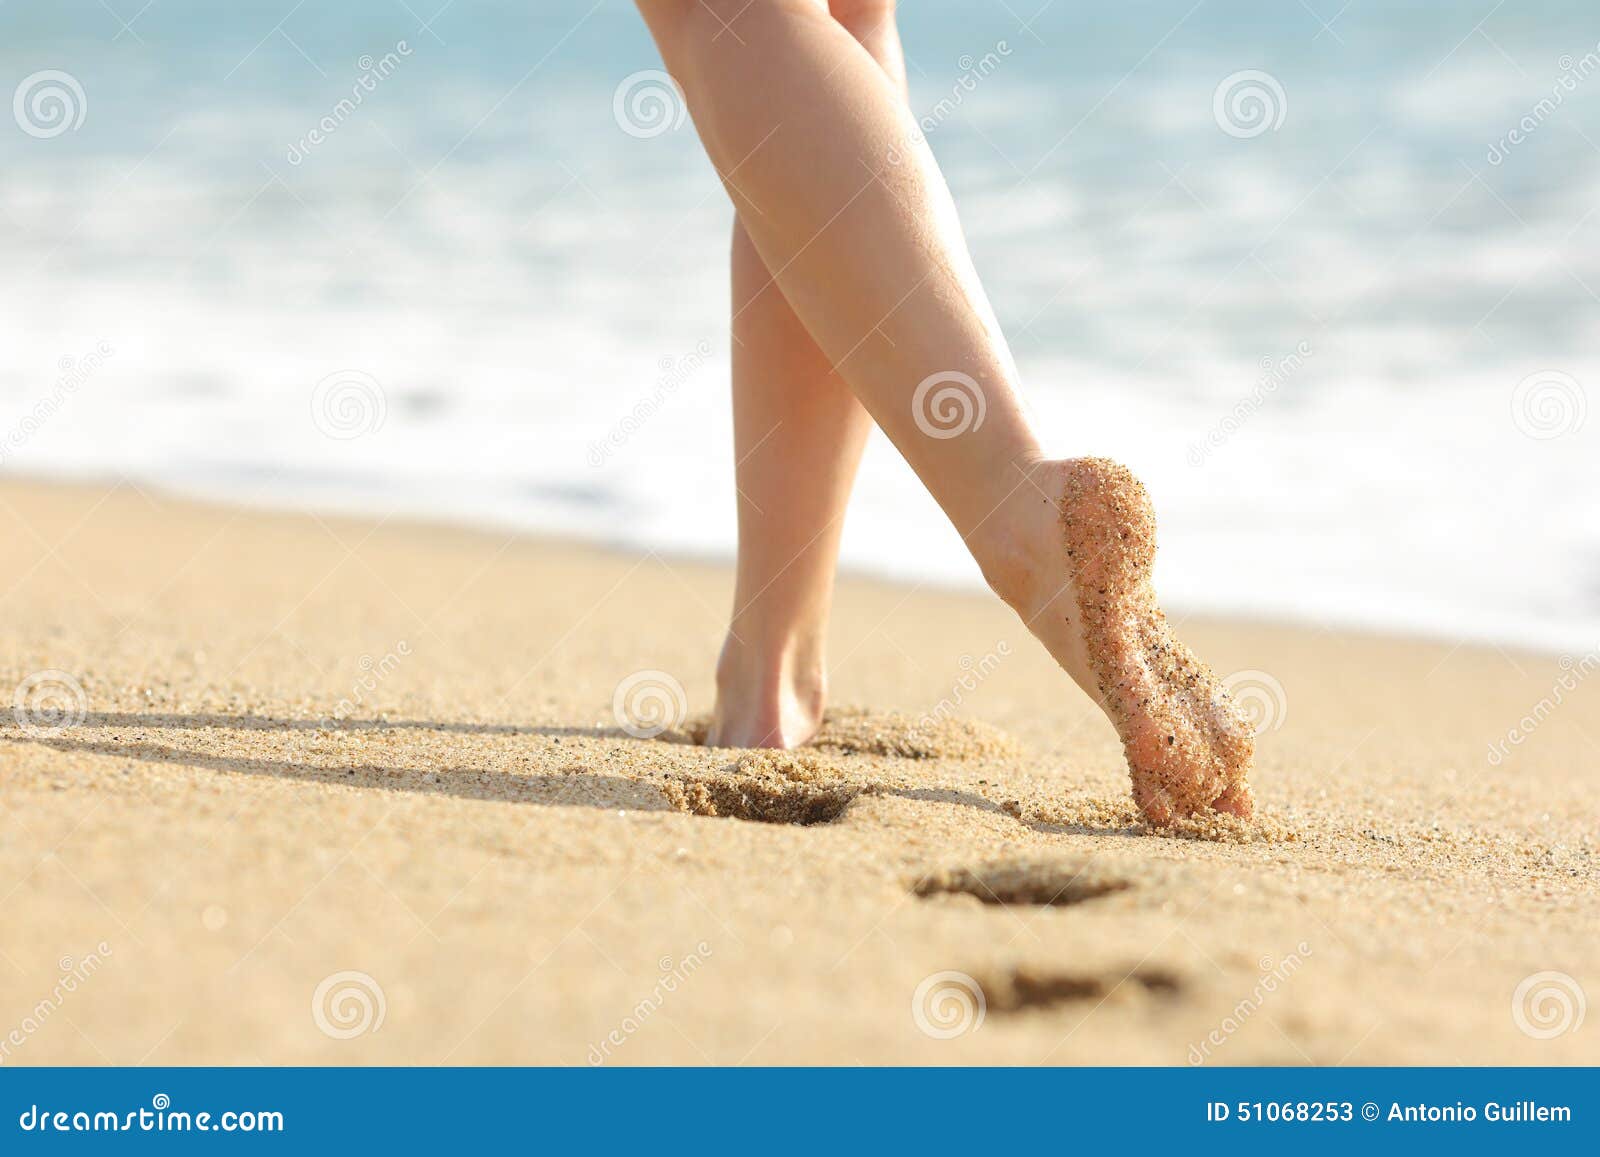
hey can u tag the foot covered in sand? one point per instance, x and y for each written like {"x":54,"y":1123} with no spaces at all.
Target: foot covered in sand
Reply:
{"x":1073,"y":557}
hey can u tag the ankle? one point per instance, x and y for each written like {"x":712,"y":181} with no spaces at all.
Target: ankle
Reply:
{"x":784,"y":669}
{"x":1019,"y":545}
{"x":768,"y":696}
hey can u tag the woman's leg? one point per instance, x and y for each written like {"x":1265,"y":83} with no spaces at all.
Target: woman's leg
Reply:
{"x":798,"y":433}
{"x":845,"y":205}
{"x":804,"y":127}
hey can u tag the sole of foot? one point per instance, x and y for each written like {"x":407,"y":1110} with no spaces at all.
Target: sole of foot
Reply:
{"x":1076,"y":565}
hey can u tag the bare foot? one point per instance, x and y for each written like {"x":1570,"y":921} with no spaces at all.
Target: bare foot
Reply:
{"x":1072,"y":554}
{"x":767,"y":696}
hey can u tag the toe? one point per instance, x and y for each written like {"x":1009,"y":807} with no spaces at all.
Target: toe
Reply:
{"x":1238,"y":800}
{"x":1154,"y":803}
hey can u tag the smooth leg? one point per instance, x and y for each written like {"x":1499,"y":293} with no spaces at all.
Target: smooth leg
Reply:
{"x":798,"y":436}
{"x":846,"y":206}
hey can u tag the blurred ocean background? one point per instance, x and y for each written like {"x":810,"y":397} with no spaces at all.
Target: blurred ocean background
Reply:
{"x":1344,"y":324}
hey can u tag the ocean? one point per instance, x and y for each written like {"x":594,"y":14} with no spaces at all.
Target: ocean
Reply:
{"x":1327,"y":277}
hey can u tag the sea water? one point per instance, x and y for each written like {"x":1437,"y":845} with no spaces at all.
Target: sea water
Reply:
{"x":1326,"y":276}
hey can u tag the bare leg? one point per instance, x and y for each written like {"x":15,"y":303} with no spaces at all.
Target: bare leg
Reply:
{"x":844,"y":203}
{"x":794,"y":419}
{"x":802,"y":124}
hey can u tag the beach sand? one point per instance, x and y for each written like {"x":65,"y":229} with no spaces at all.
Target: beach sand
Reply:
{"x":346,"y":792}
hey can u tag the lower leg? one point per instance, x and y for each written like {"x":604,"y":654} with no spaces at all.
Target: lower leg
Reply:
{"x":798,"y":433}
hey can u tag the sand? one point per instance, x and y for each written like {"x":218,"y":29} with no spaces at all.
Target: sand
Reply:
{"x":353,"y":792}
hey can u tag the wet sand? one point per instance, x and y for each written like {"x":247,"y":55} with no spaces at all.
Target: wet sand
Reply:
{"x":351,"y":792}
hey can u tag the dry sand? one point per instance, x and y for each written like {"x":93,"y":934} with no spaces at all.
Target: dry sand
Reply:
{"x":474,"y":846}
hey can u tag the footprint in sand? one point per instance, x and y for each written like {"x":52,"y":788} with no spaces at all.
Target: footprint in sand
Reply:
{"x":1026,"y":988}
{"x":770,"y":787}
{"x":1024,"y":882}
{"x":857,"y":731}
{"x":805,"y":787}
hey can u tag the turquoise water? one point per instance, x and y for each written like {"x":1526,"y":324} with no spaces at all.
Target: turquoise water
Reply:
{"x":1354,"y":352}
